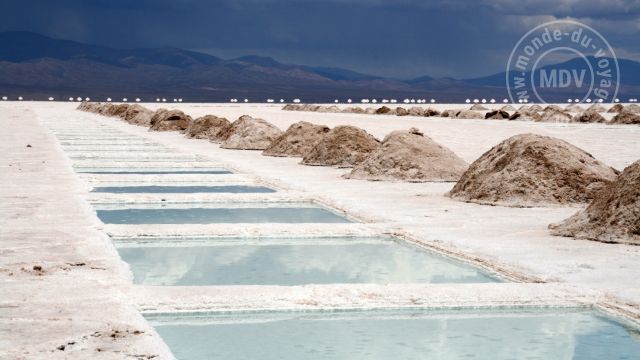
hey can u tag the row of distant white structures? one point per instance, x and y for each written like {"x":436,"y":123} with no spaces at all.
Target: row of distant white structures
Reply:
{"x":349,"y":101}
{"x":79,"y":98}
{"x":493,"y":101}
{"x":433,"y":101}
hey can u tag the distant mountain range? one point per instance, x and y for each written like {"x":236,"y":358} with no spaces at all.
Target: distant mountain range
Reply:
{"x":36,"y":67}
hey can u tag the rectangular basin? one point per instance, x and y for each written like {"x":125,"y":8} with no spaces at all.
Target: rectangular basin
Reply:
{"x":136,"y":142}
{"x":151,"y":171}
{"x":147,"y":157}
{"x":290,"y":261}
{"x":64,"y":138}
{"x":187,"y":189}
{"x":112,"y":149}
{"x":406,"y":335}
{"x":228,"y":213}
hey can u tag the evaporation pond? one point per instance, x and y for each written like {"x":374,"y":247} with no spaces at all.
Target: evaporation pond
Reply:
{"x":534,"y":335}
{"x":152,"y":171}
{"x":222,"y":213}
{"x":187,"y":189}
{"x":114,"y":149}
{"x":291,"y":261}
{"x":145,"y":157}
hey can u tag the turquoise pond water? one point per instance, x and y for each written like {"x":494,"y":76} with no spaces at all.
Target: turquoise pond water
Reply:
{"x":293,"y":262}
{"x":157,"y":189}
{"x":402,"y":335}
{"x":199,"y":215}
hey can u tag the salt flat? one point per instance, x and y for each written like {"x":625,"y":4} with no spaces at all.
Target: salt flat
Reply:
{"x":512,"y":238}
{"x":62,"y":284}
{"x":46,"y":220}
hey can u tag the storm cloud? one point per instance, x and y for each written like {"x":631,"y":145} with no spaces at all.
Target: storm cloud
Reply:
{"x":395,"y":38}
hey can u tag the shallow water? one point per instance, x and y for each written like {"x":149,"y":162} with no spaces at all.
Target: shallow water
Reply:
{"x":219,"y":215}
{"x":402,"y":335}
{"x":155,"y":189}
{"x":294,"y":262}
{"x":152,"y":170}
{"x":132,"y":159}
{"x":123,"y":138}
{"x":124,"y":148}
{"x":108,"y":143}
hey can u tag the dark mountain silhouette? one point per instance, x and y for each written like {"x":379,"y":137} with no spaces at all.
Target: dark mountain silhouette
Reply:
{"x":629,"y":72}
{"x":36,"y":67}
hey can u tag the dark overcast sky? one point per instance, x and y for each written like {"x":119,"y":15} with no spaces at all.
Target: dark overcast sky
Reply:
{"x":396,"y":38}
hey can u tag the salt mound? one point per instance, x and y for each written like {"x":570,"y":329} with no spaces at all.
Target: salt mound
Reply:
{"x":94,"y":107}
{"x":384,"y":110}
{"x":89,"y":106}
{"x":574,"y":108}
{"x":343,"y":146}
{"x":468,"y":114}
{"x":299,"y":138}
{"x":353,"y":109}
{"x":400,"y":111}
{"x":84,"y":106}
{"x":625,"y":117}
{"x":508,"y":108}
{"x":552,"y":107}
{"x":612,"y":216}
{"x":533,"y":170}
{"x":106,"y":109}
{"x":138,"y":115}
{"x":478,"y":107}
{"x":97,"y":107}
{"x":248,"y":133}
{"x":410,"y":156}
{"x":597,"y":108}
{"x":328,"y":109}
{"x":525,"y":116}
{"x":208,"y":127}
{"x":555,"y":116}
{"x":431,"y":112}
{"x":116,"y":110}
{"x":416,"y":111}
{"x":308,"y":107}
{"x":589,"y":116}
{"x":497,"y":114}
{"x":300,"y":107}
{"x":635,"y":108}
{"x":312,"y":107}
{"x":169,"y":120}
{"x":616,"y":108}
